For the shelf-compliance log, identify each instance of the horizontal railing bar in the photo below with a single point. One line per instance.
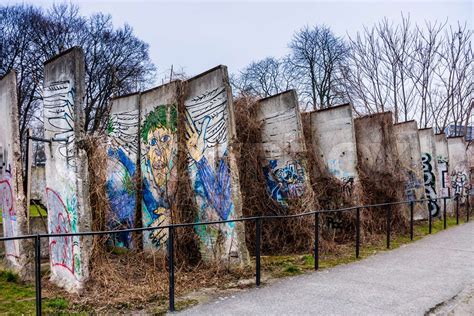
(242, 219)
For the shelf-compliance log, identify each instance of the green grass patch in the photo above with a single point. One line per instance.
(281, 266)
(35, 211)
(17, 298)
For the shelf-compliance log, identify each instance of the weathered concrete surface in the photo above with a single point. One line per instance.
(12, 199)
(284, 148)
(66, 169)
(442, 160)
(409, 153)
(159, 160)
(211, 148)
(459, 168)
(377, 155)
(430, 170)
(398, 282)
(333, 136)
(122, 159)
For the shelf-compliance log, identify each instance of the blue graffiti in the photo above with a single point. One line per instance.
(215, 186)
(121, 195)
(286, 182)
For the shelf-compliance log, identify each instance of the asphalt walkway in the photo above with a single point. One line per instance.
(410, 280)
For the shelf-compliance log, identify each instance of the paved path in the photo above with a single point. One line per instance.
(409, 280)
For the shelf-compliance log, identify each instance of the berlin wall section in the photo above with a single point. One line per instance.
(66, 169)
(159, 161)
(442, 159)
(12, 200)
(377, 156)
(430, 171)
(333, 136)
(408, 147)
(122, 159)
(212, 168)
(284, 150)
(459, 168)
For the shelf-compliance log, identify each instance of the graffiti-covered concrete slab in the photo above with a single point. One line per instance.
(66, 169)
(442, 160)
(430, 170)
(333, 136)
(12, 199)
(408, 147)
(159, 154)
(283, 147)
(459, 168)
(210, 133)
(122, 157)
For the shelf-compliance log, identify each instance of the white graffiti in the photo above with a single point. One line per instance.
(59, 113)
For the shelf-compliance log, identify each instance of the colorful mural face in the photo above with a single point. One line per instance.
(61, 195)
(122, 151)
(284, 182)
(443, 175)
(206, 141)
(10, 228)
(158, 163)
(430, 184)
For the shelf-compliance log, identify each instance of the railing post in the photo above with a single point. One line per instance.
(38, 274)
(316, 241)
(468, 206)
(258, 236)
(357, 232)
(430, 219)
(389, 219)
(171, 267)
(457, 210)
(444, 213)
(411, 219)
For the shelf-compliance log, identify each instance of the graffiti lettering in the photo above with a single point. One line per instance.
(443, 175)
(430, 183)
(460, 185)
(62, 220)
(412, 183)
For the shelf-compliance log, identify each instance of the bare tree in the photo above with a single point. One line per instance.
(264, 78)
(116, 61)
(316, 58)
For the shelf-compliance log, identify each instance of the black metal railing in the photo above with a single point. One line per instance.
(258, 236)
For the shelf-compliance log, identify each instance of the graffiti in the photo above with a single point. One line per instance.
(122, 129)
(334, 222)
(283, 183)
(158, 163)
(347, 186)
(9, 219)
(430, 183)
(207, 114)
(443, 175)
(411, 184)
(62, 218)
(460, 185)
(206, 128)
(58, 111)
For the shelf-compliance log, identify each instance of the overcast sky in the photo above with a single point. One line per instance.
(197, 35)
